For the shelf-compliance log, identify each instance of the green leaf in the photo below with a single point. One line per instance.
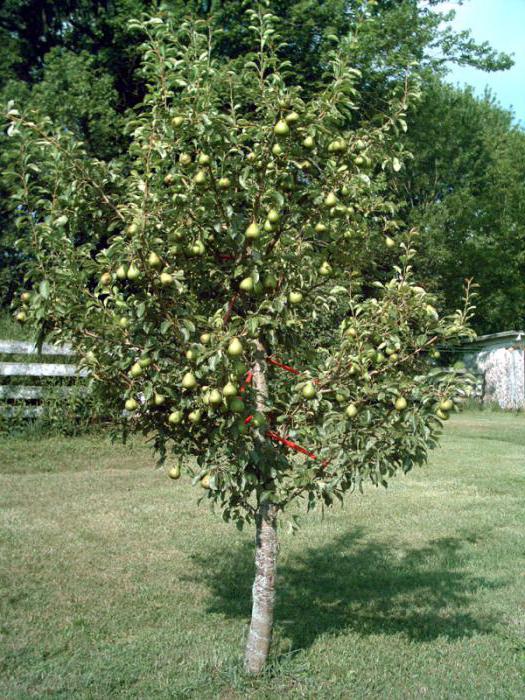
(44, 289)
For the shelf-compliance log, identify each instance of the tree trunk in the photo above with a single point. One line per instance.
(263, 591)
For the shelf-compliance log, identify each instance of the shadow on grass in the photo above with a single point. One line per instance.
(354, 585)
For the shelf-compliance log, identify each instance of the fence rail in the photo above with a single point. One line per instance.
(16, 397)
(22, 347)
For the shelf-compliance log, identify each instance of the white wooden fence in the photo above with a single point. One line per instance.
(14, 396)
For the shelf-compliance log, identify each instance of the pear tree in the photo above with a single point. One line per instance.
(241, 285)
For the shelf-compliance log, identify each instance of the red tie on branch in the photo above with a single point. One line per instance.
(271, 433)
(280, 364)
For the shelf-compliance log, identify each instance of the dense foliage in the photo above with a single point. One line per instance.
(250, 227)
(79, 62)
(465, 191)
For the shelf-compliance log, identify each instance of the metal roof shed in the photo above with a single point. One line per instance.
(500, 359)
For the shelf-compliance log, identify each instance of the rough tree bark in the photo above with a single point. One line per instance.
(263, 591)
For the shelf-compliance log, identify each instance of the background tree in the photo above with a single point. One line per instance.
(245, 233)
(465, 190)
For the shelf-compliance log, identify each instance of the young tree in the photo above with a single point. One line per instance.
(244, 241)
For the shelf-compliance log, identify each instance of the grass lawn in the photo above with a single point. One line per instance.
(114, 583)
(11, 330)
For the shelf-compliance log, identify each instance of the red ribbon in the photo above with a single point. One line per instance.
(271, 433)
(280, 364)
(247, 381)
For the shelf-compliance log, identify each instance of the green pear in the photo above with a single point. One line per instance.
(175, 417)
(253, 231)
(154, 260)
(121, 272)
(165, 279)
(201, 177)
(400, 404)
(159, 399)
(189, 381)
(326, 269)
(330, 200)
(204, 159)
(247, 284)
(230, 390)
(431, 311)
(177, 121)
(174, 472)
(295, 297)
(334, 146)
(309, 391)
(136, 370)
(273, 216)
(281, 128)
(131, 405)
(236, 405)
(195, 416)
(133, 272)
(309, 142)
(106, 279)
(215, 397)
(259, 420)
(351, 411)
(205, 338)
(198, 248)
(235, 347)
(270, 281)
(224, 183)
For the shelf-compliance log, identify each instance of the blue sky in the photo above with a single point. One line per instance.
(502, 24)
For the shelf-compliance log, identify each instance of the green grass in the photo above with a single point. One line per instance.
(11, 330)
(115, 584)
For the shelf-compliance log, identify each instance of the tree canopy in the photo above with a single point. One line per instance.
(78, 60)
